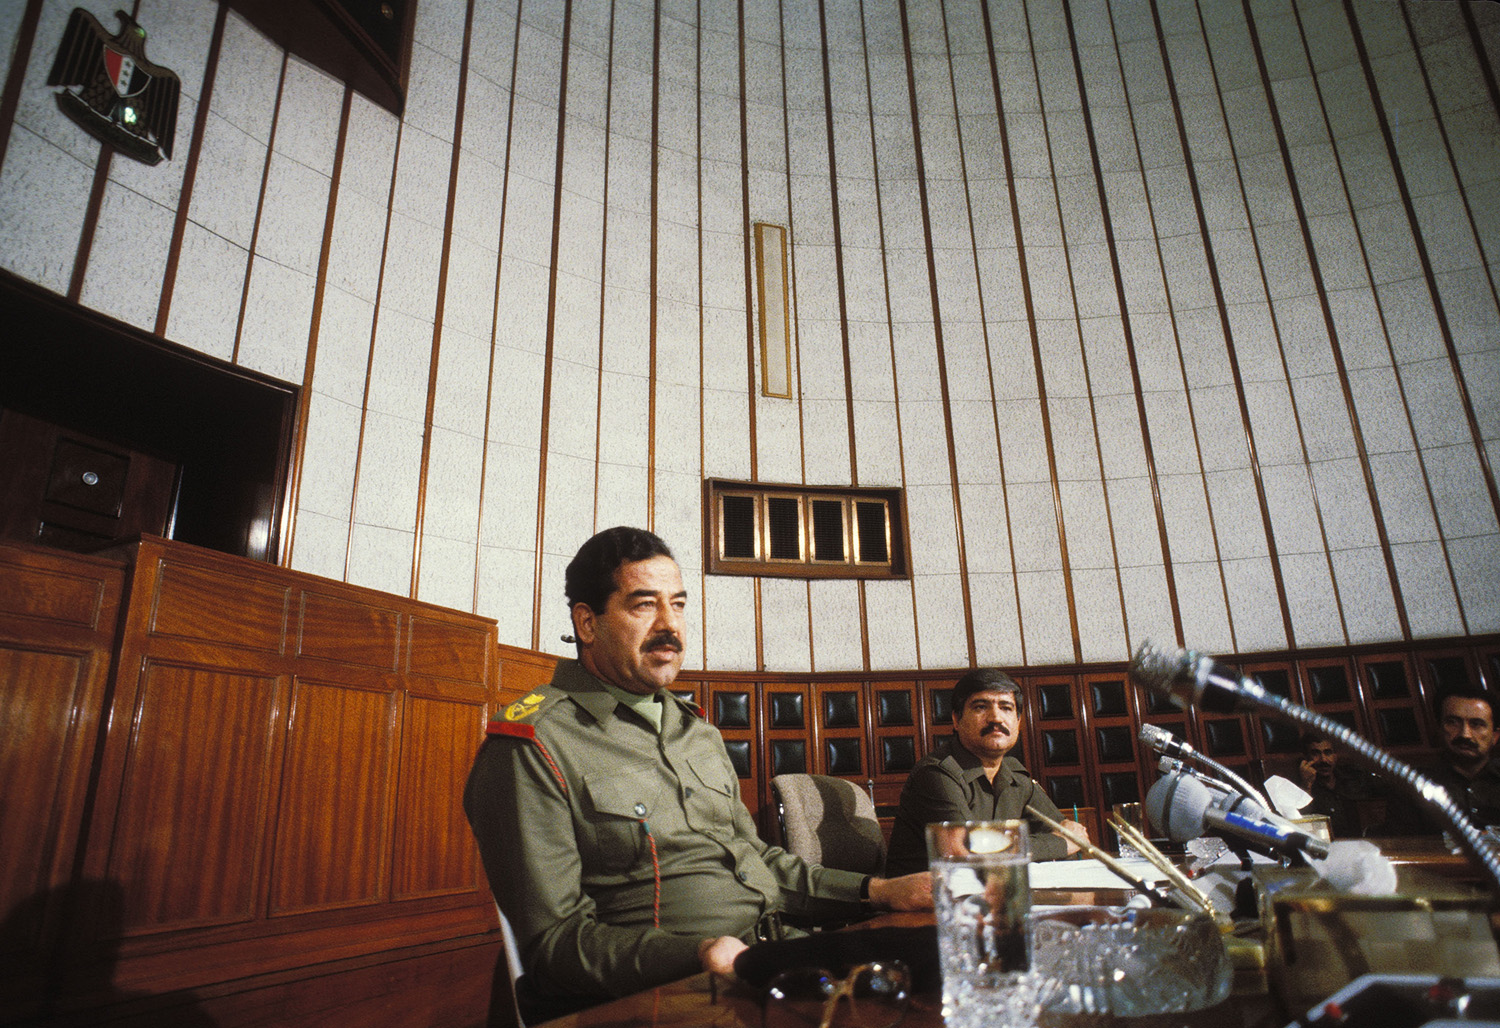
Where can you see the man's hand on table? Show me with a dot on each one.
(909, 892)
(717, 955)
(1076, 829)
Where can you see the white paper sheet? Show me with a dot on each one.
(1090, 874)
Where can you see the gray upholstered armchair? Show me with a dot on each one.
(829, 821)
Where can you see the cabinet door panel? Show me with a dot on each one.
(334, 811)
(434, 852)
(194, 797)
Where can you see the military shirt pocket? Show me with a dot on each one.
(709, 804)
(619, 799)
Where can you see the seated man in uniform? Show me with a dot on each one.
(608, 814)
(1465, 767)
(976, 780)
(1336, 791)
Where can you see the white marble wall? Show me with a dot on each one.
(1060, 312)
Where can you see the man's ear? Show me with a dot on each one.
(583, 624)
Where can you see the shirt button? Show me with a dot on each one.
(688, 792)
(743, 876)
(640, 810)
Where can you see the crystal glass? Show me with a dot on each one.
(981, 893)
(1126, 962)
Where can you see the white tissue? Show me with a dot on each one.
(1357, 866)
(1286, 796)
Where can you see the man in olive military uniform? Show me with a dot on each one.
(976, 779)
(608, 814)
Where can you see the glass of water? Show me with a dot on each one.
(981, 893)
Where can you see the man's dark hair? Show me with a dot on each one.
(590, 577)
(1309, 738)
(1463, 692)
(982, 679)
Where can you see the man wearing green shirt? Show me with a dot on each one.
(608, 814)
(977, 779)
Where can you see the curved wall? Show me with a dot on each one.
(1173, 319)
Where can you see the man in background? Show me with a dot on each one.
(1336, 791)
(608, 814)
(1466, 724)
(977, 779)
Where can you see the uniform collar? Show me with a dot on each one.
(590, 693)
(971, 769)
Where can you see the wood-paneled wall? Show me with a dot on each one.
(1080, 722)
(260, 805)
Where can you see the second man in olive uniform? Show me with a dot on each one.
(608, 814)
(977, 779)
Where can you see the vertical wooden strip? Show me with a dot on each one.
(364, 401)
(260, 209)
(1217, 284)
(1425, 259)
(890, 328)
(1331, 329)
(20, 61)
(304, 398)
(489, 381)
(1015, 215)
(547, 352)
(444, 262)
(190, 177)
(942, 361)
(609, 83)
(843, 298)
(90, 221)
(750, 386)
(1137, 387)
(655, 264)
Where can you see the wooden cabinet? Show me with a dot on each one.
(267, 788)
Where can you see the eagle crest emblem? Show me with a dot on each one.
(106, 84)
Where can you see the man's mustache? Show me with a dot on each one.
(993, 728)
(661, 639)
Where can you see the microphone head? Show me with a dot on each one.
(1176, 804)
(1164, 670)
(1162, 741)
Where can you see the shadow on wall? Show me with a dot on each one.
(69, 979)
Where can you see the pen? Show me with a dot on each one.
(1075, 812)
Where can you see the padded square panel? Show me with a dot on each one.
(1059, 746)
(897, 755)
(844, 757)
(1449, 673)
(1109, 699)
(1056, 701)
(1279, 737)
(1329, 684)
(1224, 738)
(1121, 787)
(739, 756)
(732, 709)
(841, 710)
(788, 757)
(1066, 791)
(1160, 703)
(1398, 727)
(942, 706)
(1276, 680)
(1388, 680)
(786, 710)
(894, 707)
(1116, 744)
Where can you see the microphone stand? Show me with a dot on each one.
(1189, 678)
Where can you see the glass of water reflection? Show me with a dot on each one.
(981, 893)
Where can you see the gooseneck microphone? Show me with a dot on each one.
(1192, 679)
(1168, 745)
(1185, 805)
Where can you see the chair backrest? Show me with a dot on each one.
(505, 1010)
(829, 821)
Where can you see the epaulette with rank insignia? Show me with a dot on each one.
(518, 720)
